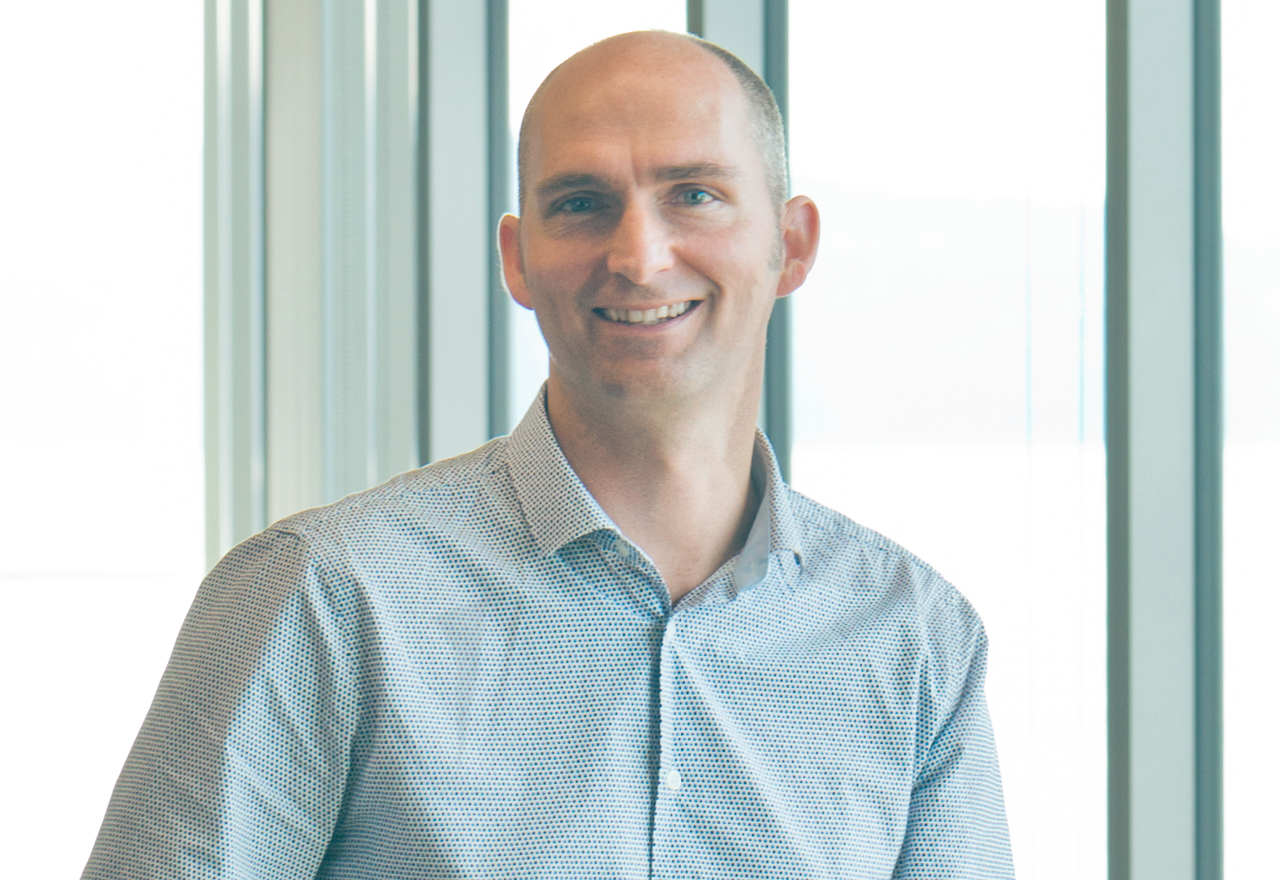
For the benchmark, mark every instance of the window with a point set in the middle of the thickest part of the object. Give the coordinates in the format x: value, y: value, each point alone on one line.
x: 101, y: 532
x: 1251, y: 466
x: 948, y: 349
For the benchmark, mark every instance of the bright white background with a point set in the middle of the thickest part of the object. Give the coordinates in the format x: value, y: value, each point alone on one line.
x: 1251, y: 516
x: 948, y: 350
x: 101, y: 471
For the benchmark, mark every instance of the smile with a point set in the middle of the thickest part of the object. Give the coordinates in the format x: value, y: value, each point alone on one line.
x: 646, y: 316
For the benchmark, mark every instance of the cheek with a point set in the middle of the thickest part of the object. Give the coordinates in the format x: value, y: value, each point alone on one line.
x: 745, y: 271
x: 555, y: 271
x: 554, y: 287
x: 742, y: 249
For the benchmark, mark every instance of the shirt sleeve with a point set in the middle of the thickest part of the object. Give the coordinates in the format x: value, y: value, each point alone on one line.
x: 956, y: 826
x: 240, y: 766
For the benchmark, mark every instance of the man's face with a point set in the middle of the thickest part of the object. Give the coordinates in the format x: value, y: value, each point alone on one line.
x: 646, y: 196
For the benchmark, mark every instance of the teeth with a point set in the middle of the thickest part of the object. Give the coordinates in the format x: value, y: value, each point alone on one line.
x: 647, y: 316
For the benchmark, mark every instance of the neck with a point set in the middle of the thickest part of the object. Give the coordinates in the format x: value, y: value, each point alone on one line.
x: 674, y: 476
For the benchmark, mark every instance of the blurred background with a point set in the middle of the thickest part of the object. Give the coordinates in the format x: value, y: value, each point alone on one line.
x: 246, y: 266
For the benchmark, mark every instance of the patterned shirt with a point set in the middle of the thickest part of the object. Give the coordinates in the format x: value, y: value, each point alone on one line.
x: 469, y: 672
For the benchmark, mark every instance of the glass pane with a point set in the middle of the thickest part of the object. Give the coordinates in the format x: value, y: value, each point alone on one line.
x: 1251, y: 472
x: 101, y: 469
x: 948, y: 349
x: 542, y: 33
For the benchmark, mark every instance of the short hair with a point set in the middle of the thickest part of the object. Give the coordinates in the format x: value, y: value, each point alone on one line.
x: 766, y: 122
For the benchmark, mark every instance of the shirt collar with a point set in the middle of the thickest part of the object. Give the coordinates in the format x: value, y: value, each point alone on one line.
x: 559, y: 509
x: 557, y: 506
x: 775, y: 531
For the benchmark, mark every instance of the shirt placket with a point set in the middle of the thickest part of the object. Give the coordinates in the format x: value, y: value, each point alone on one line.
x: 668, y: 779
x: 671, y: 783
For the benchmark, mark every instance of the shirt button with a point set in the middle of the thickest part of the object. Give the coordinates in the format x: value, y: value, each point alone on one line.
x: 624, y: 552
x: 673, y: 780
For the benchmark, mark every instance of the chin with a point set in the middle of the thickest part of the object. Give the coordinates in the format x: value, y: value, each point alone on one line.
x: 635, y: 390
x: 664, y: 385
x: 668, y: 379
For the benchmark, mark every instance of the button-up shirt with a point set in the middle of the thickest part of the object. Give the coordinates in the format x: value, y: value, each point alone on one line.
x: 470, y: 672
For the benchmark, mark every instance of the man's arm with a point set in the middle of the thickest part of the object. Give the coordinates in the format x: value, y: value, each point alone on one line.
x: 956, y: 826
x: 240, y: 766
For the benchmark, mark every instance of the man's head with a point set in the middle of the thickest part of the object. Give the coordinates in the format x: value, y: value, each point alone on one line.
x: 766, y: 120
x: 653, y: 241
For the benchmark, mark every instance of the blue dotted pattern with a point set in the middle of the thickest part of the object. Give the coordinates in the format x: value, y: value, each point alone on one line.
x: 468, y: 672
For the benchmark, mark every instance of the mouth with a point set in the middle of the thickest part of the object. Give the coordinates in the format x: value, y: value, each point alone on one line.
x: 647, y: 317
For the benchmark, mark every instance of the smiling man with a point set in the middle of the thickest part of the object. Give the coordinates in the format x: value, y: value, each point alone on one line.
x: 614, y: 644
x: 653, y: 244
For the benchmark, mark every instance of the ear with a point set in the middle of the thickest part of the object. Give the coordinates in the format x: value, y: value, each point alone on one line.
x: 799, y: 242
x: 512, y: 262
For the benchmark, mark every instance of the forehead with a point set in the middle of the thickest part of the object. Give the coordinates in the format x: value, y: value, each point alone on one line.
x: 649, y: 106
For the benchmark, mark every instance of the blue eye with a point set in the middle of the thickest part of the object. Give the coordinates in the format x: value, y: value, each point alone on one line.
x: 697, y: 197
x: 577, y: 204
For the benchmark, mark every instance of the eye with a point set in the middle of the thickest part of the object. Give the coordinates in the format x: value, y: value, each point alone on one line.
x: 696, y: 197
x: 576, y: 205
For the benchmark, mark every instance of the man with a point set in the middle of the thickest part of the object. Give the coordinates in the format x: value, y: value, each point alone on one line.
x: 614, y: 644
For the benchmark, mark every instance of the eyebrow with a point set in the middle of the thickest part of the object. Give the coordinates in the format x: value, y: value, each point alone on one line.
x: 694, y: 170
x: 571, y: 181
x: 703, y: 170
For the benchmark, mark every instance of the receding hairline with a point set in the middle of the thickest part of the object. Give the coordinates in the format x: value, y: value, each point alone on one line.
x: 762, y: 111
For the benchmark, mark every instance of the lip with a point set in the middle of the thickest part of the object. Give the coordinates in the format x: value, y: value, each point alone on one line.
x: 598, y: 312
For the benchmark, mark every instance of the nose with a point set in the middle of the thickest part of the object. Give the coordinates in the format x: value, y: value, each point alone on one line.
x: 641, y: 245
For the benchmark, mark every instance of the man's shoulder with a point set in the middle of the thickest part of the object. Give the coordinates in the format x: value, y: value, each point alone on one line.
x: 440, y: 496
x: 840, y: 550
x: 828, y: 532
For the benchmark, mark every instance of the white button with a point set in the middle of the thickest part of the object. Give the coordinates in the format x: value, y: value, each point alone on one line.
x: 673, y: 780
x: 624, y: 552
